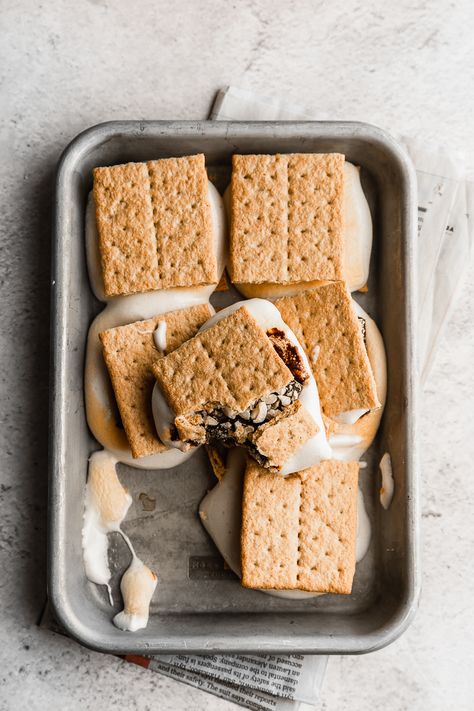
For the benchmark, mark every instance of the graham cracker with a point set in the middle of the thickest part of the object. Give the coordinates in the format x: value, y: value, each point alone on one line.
x: 278, y: 439
x: 324, y: 322
x: 129, y: 352
x: 299, y: 532
x: 286, y: 218
x: 231, y: 364
x: 155, y: 226
x: 216, y: 460
x: 127, y: 240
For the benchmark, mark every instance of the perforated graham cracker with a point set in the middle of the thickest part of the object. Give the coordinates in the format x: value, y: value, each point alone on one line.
x: 327, y: 327
x: 299, y: 532
x: 279, y: 438
x: 231, y: 364
x: 154, y: 224
x: 129, y: 352
x: 286, y: 218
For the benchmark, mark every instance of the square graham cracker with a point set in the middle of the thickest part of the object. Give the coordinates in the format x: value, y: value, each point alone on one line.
x: 129, y: 352
x: 324, y: 322
x: 286, y: 218
x: 230, y: 364
x: 278, y: 439
x: 154, y: 225
x: 299, y: 532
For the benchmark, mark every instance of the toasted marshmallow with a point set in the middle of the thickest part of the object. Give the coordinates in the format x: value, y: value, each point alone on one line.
x: 106, y: 505
x: 137, y: 587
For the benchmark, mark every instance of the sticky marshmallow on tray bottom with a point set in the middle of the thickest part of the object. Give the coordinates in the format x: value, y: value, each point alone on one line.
x: 387, y: 487
x: 101, y: 409
x: 221, y: 512
x: 105, y: 506
x: 357, y: 243
x: 267, y: 316
x: 137, y: 587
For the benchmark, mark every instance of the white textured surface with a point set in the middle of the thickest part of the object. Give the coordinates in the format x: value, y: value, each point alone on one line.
x: 67, y: 65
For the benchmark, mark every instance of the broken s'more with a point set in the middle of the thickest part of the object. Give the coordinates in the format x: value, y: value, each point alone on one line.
x: 299, y: 532
x: 228, y: 383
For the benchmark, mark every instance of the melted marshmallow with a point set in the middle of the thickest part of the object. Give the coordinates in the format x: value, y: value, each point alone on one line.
x: 357, y: 242
x: 350, y: 417
x: 267, y: 316
x: 105, y: 506
x: 364, y: 531
x: 357, y: 230
x: 388, y: 484
x: 220, y: 512
x: 101, y: 408
x: 137, y: 587
x: 159, y: 336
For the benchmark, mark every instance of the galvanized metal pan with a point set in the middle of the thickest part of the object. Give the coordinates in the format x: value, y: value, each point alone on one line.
x: 200, y: 607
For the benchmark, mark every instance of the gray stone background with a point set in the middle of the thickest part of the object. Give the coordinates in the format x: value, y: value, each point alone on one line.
x: 65, y: 65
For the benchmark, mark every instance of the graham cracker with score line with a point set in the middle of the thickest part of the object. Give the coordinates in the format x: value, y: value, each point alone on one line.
x: 129, y: 352
x: 231, y: 364
x: 286, y: 218
x: 324, y: 322
x: 154, y: 225
x: 299, y: 532
x: 281, y: 437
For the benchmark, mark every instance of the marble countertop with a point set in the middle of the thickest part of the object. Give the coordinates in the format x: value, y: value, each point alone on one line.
x: 405, y: 66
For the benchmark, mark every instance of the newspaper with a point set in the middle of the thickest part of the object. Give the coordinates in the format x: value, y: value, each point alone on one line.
x: 445, y: 241
x: 273, y: 682
x: 284, y: 683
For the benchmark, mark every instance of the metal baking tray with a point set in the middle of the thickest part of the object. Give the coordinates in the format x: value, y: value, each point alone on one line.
x: 200, y: 606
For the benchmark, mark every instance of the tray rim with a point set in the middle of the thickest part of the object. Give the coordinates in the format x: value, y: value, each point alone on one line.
x: 86, y: 141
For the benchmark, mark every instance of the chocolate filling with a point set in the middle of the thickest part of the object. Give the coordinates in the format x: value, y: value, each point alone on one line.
x: 230, y: 428
x: 220, y: 425
x: 289, y: 354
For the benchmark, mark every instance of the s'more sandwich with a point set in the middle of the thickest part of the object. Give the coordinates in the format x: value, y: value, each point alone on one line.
x: 235, y: 383
x: 286, y: 218
x: 333, y: 337
x: 155, y: 225
x: 129, y: 352
x: 299, y: 532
